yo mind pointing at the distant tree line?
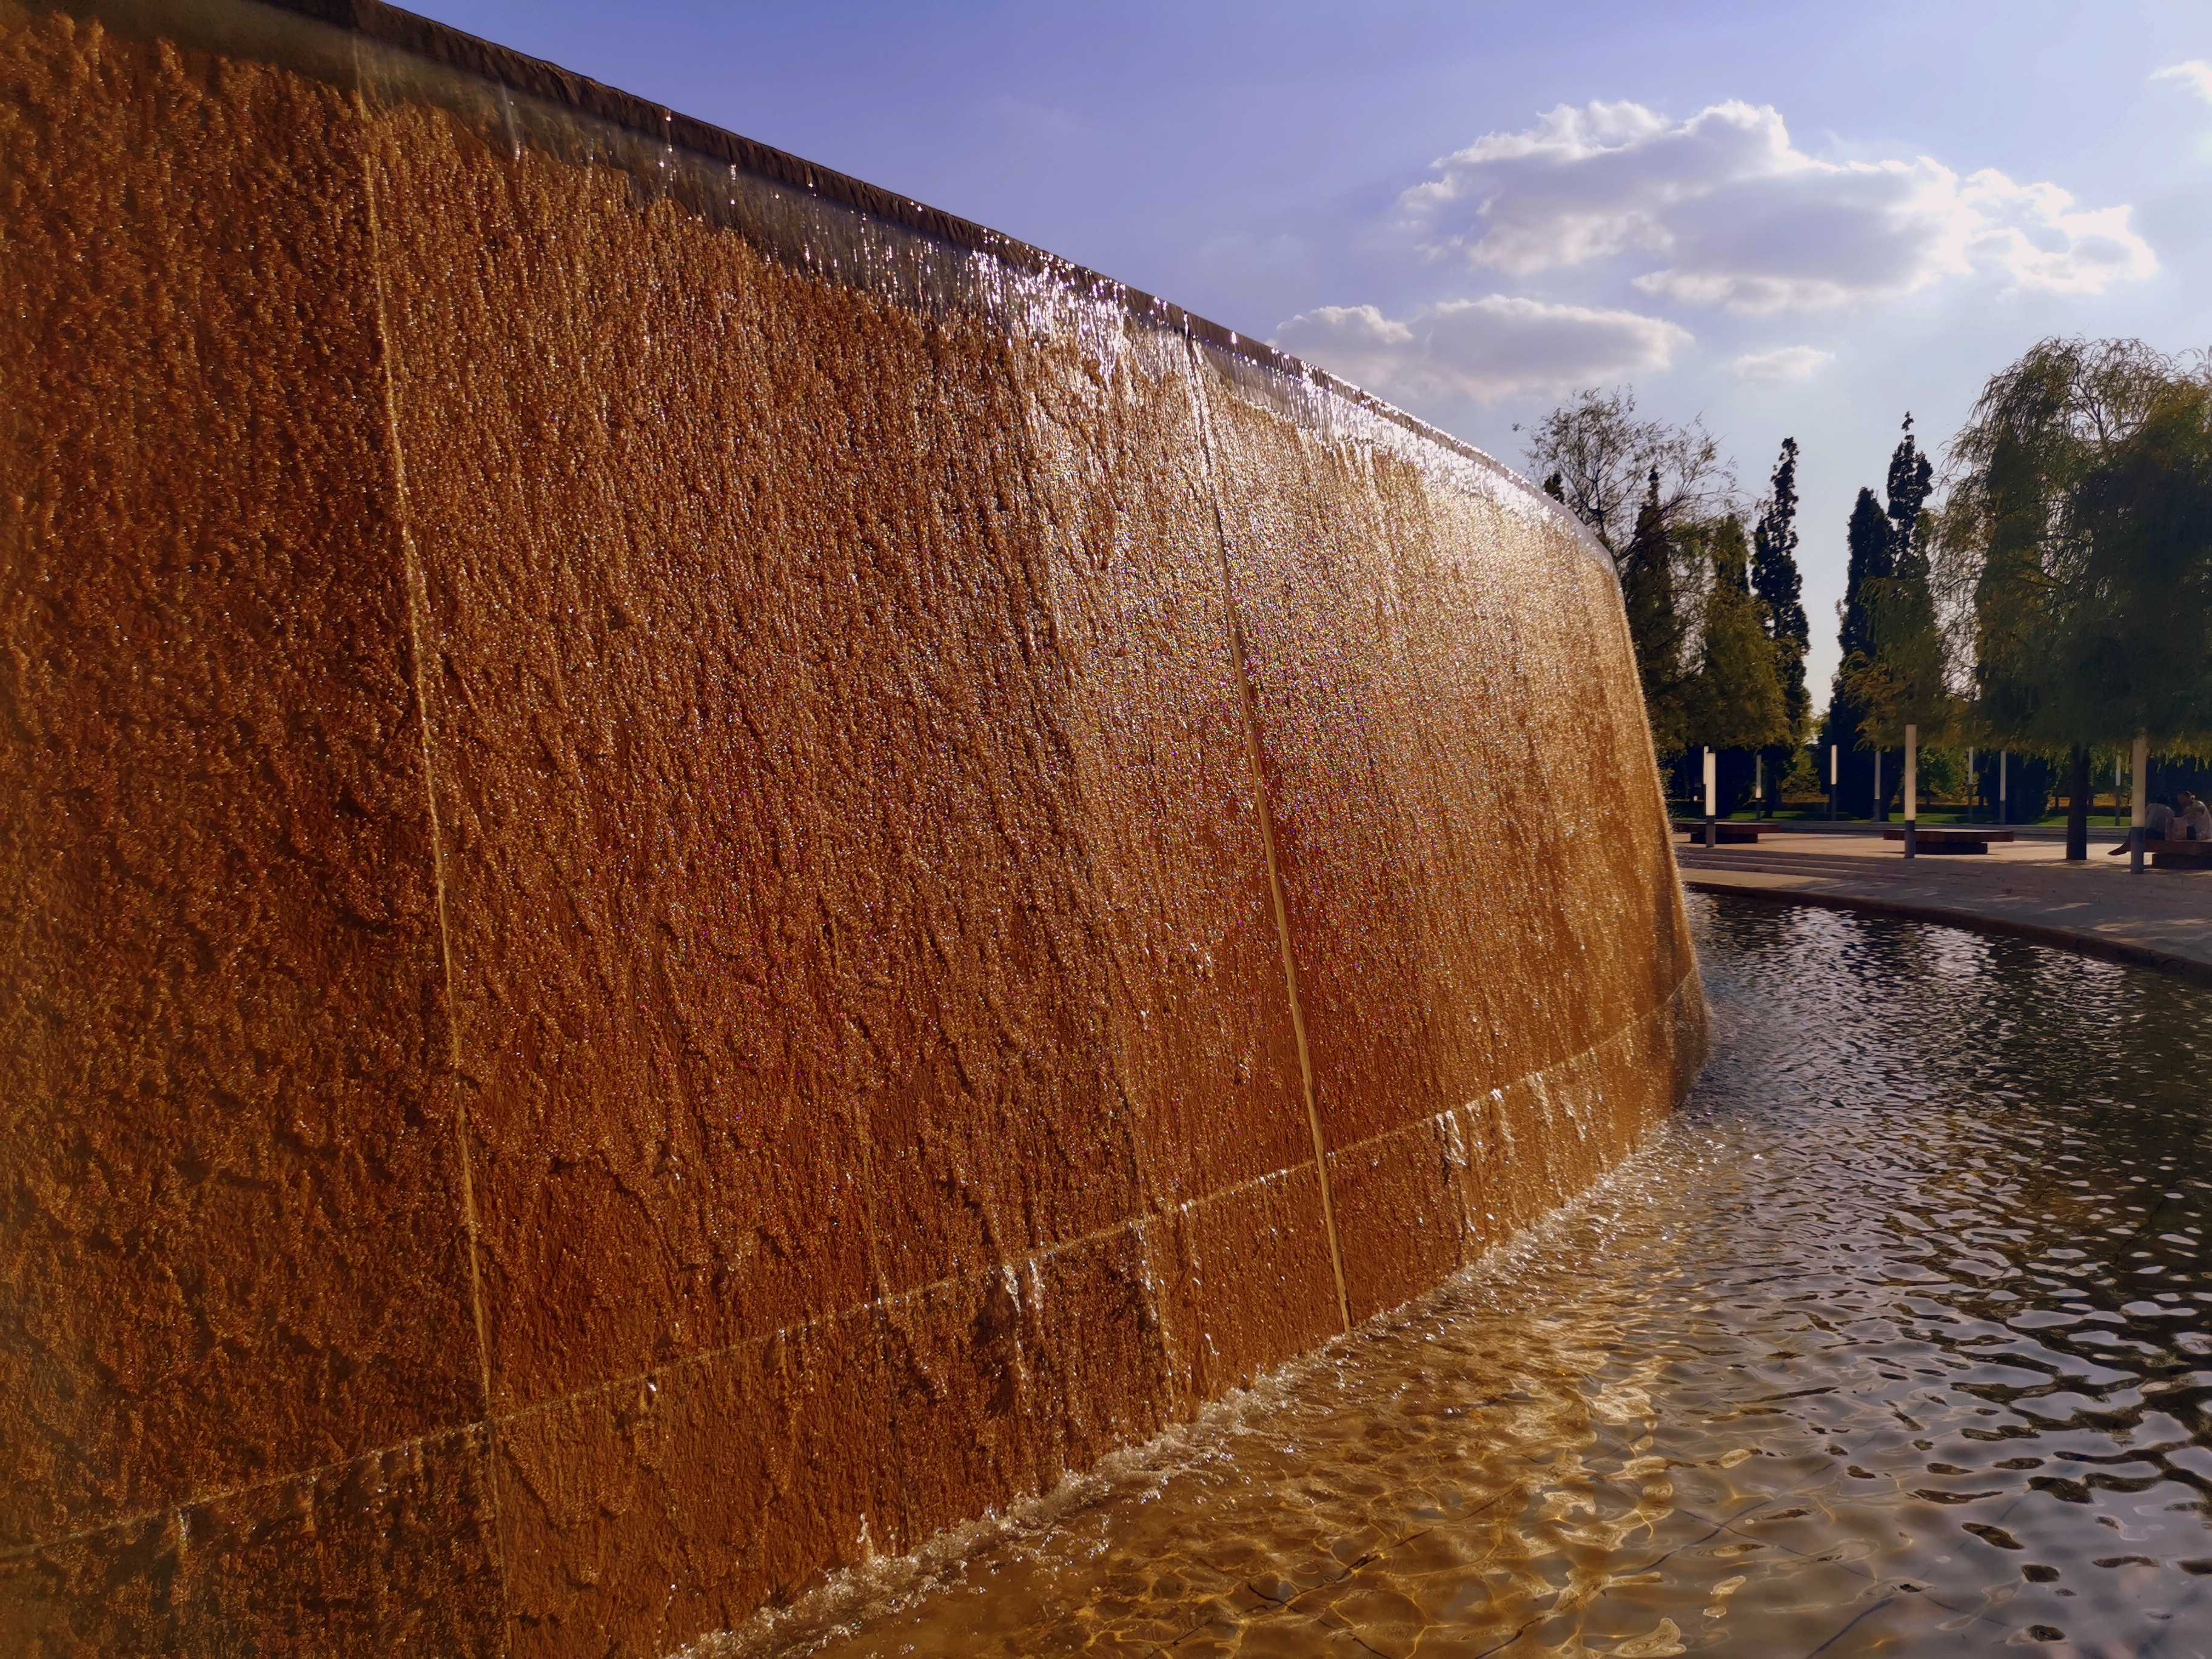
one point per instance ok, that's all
(2055, 602)
(1717, 616)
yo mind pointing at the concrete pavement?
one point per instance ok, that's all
(2162, 918)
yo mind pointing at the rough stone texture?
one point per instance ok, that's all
(232, 1241)
(392, 1553)
(1203, 1044)
(1246, 1280)
(635, 1516)
(1439, 781)
(649, 895)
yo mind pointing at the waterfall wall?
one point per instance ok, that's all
(704, 870)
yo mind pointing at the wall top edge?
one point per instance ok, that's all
(440, 43)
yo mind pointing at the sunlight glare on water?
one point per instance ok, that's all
(1898, 1340)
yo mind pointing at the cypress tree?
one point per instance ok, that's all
(1736, 701)
(1894, 673)
(1780, 587)
(1654, 621)
(1869, 535)
(1872, 561)
(1911, 476)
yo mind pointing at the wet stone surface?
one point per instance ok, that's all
(1899, 1339)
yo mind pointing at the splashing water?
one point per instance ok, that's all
(1899, 1339)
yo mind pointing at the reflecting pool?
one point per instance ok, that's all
(1898, 1339)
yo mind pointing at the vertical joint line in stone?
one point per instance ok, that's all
(418, 631)
(1251, 699)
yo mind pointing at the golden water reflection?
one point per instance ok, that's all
(1898, 1339)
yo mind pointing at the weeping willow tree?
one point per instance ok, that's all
(2074, 554)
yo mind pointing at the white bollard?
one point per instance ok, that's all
(1912, 789)
(2139, 803)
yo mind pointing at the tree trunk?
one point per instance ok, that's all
(2078, 805)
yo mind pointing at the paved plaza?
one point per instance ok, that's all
(2026, 887)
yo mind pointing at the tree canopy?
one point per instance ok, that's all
(1896, 671)
(1659, 620)
(1911, 477)
(1780, 586)
(2075, 548)
(1718, 622)
(2058, 597)
(1872, 560)
(1735, 699)
(1604, 464)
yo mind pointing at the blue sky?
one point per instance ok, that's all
(1795, 219)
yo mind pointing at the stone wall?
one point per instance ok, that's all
(703, 871)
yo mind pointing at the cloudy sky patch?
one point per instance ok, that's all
(2196, 75)
(1721, 208)
(1683, 197)
(1486, 348)
(1797, 362)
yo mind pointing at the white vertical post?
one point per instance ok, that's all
(1831, 779)
(1878, 796)
(2139, 802)
(1911, 788)
(1712, 834)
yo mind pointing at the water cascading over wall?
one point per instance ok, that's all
(703, 871)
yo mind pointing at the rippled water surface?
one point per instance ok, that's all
(1898, 1339)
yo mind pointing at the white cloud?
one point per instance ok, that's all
(2196, 75)
(1735, 216)
(1783, 363)
(1484, 348)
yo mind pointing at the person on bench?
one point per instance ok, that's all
(2196, 822)
(2159, 823)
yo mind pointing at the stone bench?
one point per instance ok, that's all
(2179, 855)
(1967, 838)
(1726, 831)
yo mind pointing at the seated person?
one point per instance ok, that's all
(2159, 822)
(2195, 820)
